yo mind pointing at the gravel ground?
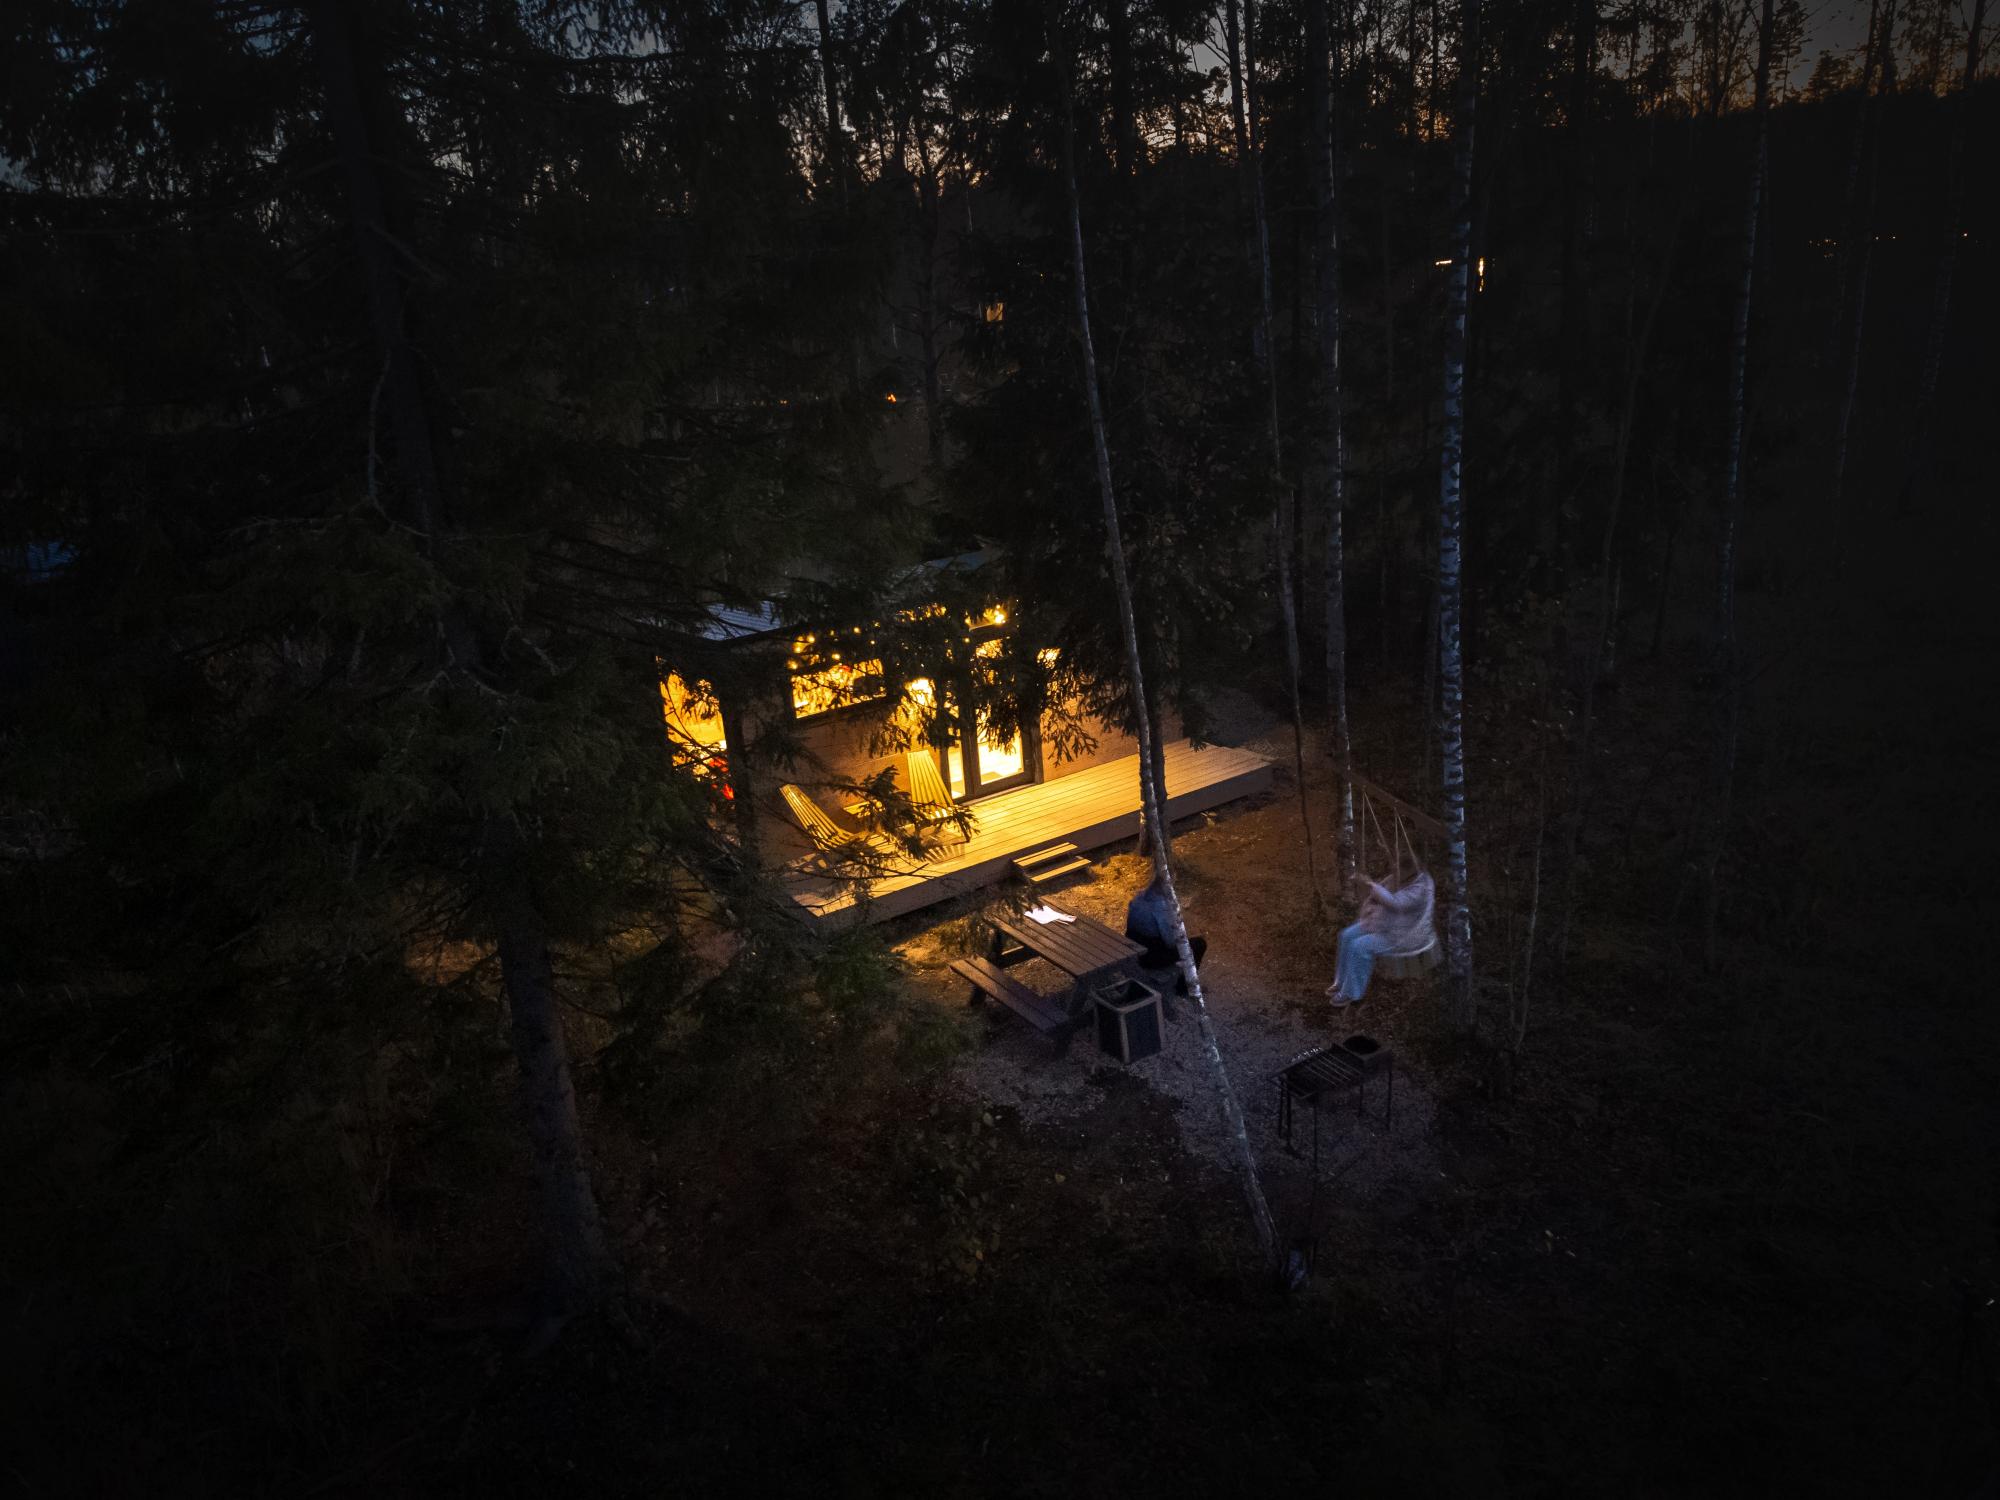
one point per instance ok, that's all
(1261, 1024)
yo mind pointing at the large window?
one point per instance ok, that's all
(694, 727)
(822, 689)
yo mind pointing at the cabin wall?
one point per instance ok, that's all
(838, 747)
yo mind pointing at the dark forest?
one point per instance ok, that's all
(997, 747)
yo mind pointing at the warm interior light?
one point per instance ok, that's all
(1047, 655)
(692, 714)
(835, 686)
(694, 728)
(922, 693)
(892, 398)
(999, 758)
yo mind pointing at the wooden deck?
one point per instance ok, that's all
(1088, 808)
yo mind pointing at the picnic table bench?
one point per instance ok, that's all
(1040, 1011)
(1081, 948)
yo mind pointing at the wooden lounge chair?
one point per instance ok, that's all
(932, 800)
(829, 831)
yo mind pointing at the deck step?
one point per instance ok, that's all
(1057, 872)
(1051, 864)
(1025, 863)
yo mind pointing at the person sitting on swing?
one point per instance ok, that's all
(1150, 920)
(1392, 919)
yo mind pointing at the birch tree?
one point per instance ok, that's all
(1250, 163)
(1322, 69)
(1152, 791)
(836, 149)
(1869, 150)
(1638, 347)
(1953, 232)
(1729, 708)
(1462, 1002)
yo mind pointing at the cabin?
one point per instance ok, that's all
(808, 728)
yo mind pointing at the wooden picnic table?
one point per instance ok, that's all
(1081, 948)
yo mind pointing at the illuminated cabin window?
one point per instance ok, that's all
(1000, 756)
(835, 685)
(1048, 656)
(922, 706)
(993, 614)
(994, 312)
(694, 728)
(694, 719)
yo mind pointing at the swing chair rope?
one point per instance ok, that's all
(1404, 841)
(1373, 820)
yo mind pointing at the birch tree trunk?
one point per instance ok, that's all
(1339, 749)
(1607, 596)
(836, 154)
(1927, 377)
(1727, 653)
(1152, 792)
(1851, 193)
(1571, 314)
(929, 198)
(1869, 147)
(579, 1260)
(1243, 112)
(1462, 1002)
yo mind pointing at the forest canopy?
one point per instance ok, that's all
(396, 392)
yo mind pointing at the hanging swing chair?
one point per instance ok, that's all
(1416, 962)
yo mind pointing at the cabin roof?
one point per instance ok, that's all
(726, 622)
(730, 623)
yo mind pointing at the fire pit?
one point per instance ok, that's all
(1365, 1050)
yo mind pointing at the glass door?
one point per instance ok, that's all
(1001, 761)
(991, 760)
